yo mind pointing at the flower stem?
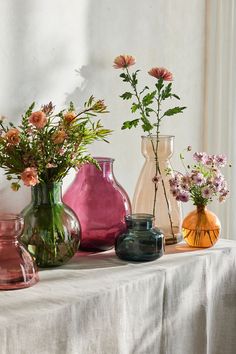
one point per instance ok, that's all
(155, 149)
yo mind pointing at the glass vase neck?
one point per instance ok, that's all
(139, 222)
(201, 208)
(106, 168)
(47, 193)
(163, 144)
(11, 226)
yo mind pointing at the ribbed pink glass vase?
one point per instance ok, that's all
(17, 268)
(100, 203)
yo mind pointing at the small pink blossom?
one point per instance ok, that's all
(198, 179)
(206, 192)
(221, 160)
(200, 157)
(210, 160)
(159, 73)
(123, 61)
(38, 119)
(174, 192)
(156, 179)
(29, 176)
(183, 196)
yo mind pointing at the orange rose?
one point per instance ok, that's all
(59, 136)
(69, 116)
(12, 136)
(38, 119)
(29, 176)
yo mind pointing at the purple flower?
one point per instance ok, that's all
(200, 157)
(221, 160)
(183, 196)
(175, 192)
(206, 192)
(210, 160)
(217, 183)
(173, 181)
(198, 179)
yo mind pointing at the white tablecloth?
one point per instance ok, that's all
(183, 303)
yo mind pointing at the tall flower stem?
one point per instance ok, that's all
(155, 150)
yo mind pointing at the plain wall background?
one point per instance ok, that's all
(63, 50)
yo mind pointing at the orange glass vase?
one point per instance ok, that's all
(201, 228)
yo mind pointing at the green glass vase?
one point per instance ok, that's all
(52, 230)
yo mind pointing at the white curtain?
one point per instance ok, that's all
(220, 99)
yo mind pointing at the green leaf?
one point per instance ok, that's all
(175, 96)
(130, 124)
(125, 77)
(134, 78)
(148, 98)
(148, 111)
(175, 110)
(147, 126)
(144, 89)
(126, 95)
(71, 107)
(134, 107)
(159, 85)
(166, 93)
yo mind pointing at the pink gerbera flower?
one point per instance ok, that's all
(123, 61)
(159, 73)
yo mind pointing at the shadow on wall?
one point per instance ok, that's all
(32, 63)
(113, 29)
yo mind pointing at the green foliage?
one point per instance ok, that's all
(175, 110)
(56, 147)
(126, 95)
(130, 124)
(148, 98)
(147, 102)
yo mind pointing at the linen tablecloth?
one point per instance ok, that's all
(182, 303)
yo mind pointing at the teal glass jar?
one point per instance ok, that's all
(141, 242)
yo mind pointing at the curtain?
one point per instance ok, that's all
(220, 99)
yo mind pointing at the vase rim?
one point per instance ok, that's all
(10, 217)
(104, 159)
(160, 136)
(139, 217)
(48, 183)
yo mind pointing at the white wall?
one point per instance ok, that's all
(63, 50)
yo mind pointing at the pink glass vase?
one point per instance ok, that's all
(100, 203)
(17, 268)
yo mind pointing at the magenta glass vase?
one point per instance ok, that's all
(17, 268)
(100, 203)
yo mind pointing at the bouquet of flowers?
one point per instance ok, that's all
(40, 152)
(201, 181)
(46, 144)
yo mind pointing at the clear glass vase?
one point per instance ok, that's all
(17, 268)
(52, 230)
(141, 242)
(152, 193)
(100, 203)
(201, 228)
